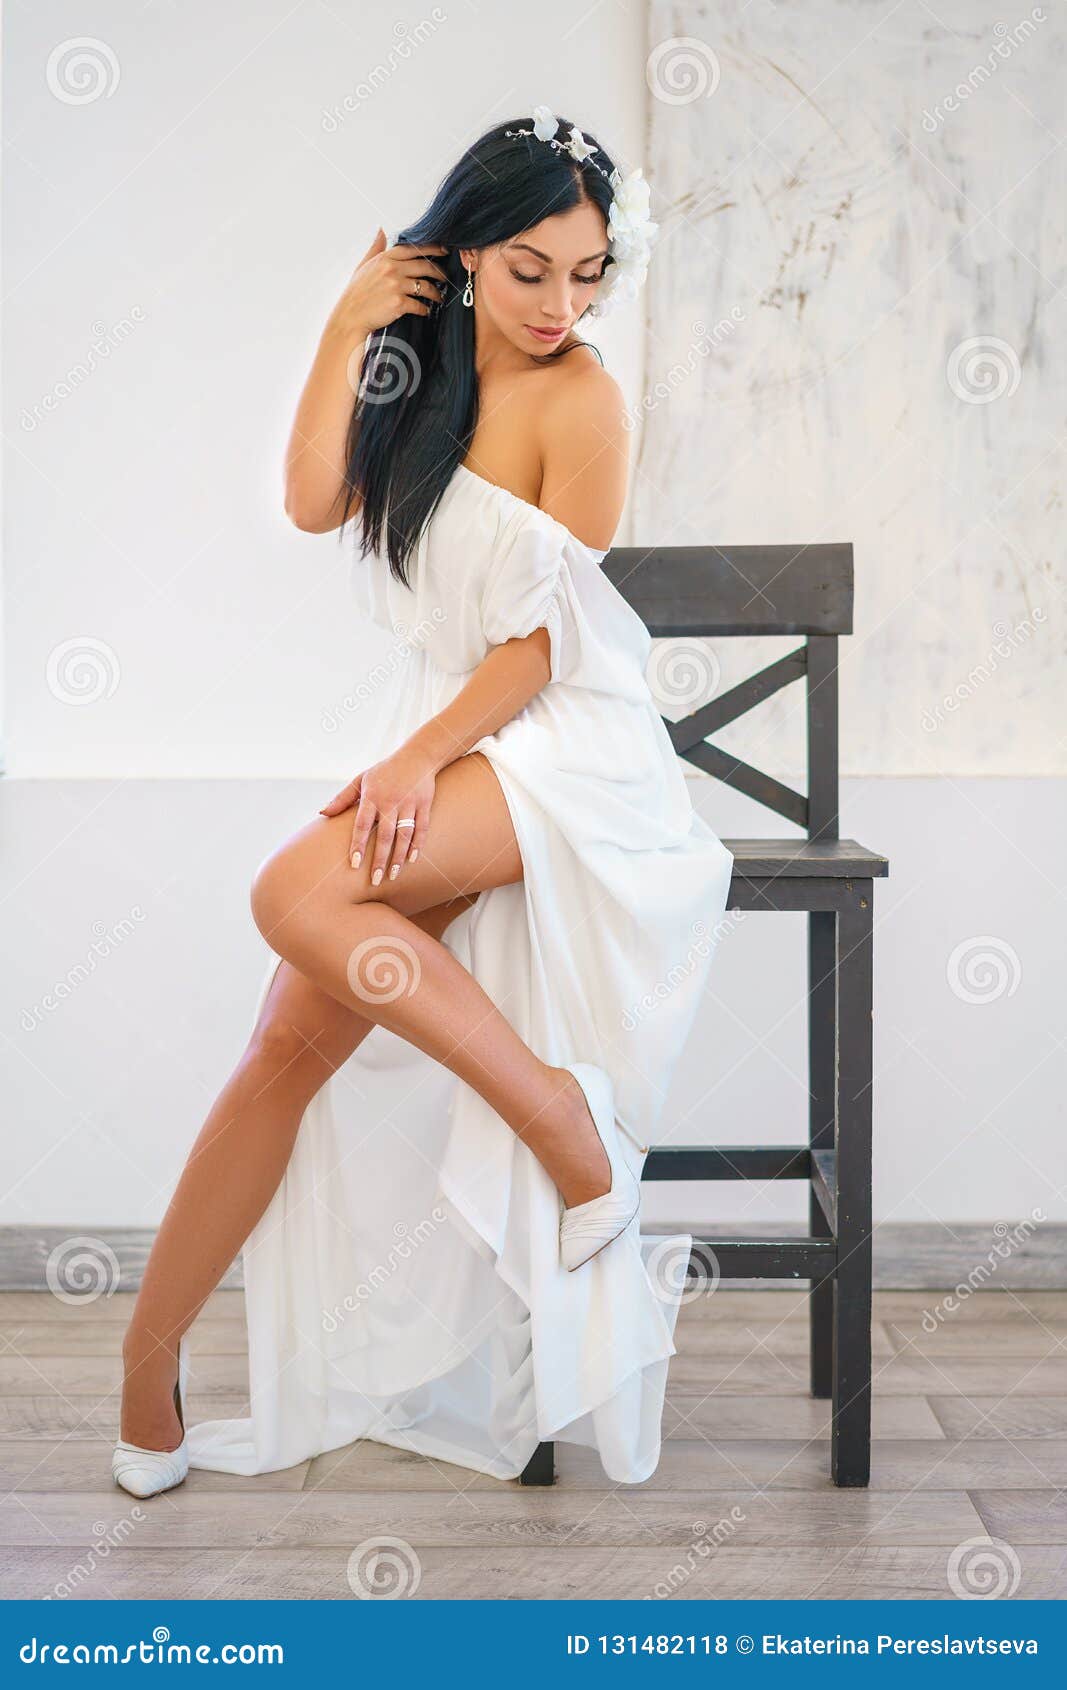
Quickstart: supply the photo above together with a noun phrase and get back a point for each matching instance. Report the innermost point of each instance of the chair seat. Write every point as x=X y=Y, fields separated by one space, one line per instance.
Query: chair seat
x=805 y=859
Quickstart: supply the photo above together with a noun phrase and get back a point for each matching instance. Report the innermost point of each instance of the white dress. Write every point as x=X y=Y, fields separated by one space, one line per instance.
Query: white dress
x=404 y=1283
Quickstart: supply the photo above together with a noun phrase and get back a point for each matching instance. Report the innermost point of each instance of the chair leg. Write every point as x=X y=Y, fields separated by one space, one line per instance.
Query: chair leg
x=541 y=1467
x=850 y=1438
x=822 y=1063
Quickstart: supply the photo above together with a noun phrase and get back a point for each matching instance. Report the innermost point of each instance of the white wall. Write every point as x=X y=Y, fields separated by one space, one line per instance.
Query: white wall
x=182 y=240
x=197 y=222
x=134 y=968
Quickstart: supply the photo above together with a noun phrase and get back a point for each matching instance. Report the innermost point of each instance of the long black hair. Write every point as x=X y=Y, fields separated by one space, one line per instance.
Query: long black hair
x=417 y=402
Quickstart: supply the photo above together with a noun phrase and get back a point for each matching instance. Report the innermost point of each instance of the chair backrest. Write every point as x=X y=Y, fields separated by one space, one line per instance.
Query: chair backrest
x=718 y=591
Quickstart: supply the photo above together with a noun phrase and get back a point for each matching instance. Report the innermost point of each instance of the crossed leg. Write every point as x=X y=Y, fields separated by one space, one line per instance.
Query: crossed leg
x=346 y=946
x=361 y=944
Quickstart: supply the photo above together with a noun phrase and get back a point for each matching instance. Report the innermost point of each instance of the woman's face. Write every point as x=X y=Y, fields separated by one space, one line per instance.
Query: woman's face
x=533 y=288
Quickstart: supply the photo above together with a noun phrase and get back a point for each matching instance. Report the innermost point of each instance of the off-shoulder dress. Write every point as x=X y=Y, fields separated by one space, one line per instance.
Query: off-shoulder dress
x=404 y=1283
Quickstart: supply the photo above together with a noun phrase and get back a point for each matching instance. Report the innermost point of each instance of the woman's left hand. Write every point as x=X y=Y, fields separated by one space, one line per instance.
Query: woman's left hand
x=398 y=789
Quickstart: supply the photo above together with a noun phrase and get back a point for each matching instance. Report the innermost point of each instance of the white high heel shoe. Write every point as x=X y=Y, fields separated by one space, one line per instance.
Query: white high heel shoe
x=144 y=1472
x=588 y=1228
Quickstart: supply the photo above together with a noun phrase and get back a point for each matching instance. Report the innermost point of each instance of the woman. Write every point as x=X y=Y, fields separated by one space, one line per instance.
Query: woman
x=513 y=894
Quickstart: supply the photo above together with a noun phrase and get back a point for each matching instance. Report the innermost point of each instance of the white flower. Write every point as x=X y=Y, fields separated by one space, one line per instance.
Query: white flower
x=579 y=147
x=631 y=232
x=544 y=123
x=629 y=208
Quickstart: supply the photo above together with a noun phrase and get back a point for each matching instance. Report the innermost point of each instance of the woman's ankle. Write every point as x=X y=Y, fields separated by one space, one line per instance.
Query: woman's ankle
x=589 y=1170
x=146 y=1351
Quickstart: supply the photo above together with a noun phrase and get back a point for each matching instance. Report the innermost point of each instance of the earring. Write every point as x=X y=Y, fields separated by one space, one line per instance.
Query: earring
x=468 y=291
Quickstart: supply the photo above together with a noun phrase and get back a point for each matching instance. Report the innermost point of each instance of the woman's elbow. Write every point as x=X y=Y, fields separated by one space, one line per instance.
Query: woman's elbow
x=313 y=517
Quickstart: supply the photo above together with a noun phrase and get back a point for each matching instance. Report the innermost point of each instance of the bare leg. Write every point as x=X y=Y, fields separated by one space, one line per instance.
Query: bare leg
x=363 y=945
x=234 y=1168
x=338 y=933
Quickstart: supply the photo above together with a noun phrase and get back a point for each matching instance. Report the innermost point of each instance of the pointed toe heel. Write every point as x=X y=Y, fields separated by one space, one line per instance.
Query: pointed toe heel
x=145 y=1472
x=588 y=1228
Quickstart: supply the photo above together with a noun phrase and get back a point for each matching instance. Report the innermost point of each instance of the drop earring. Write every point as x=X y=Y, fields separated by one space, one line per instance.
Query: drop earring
x=468 y=291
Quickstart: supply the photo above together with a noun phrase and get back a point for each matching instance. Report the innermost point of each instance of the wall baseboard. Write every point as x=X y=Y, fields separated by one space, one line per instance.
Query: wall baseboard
x=908 y=1256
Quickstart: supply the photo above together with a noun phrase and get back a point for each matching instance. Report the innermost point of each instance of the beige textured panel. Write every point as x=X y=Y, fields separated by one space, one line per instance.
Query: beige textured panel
x=822 y=271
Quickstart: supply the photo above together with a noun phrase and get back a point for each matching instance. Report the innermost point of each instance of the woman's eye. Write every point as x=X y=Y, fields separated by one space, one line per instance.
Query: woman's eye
x=583 y=281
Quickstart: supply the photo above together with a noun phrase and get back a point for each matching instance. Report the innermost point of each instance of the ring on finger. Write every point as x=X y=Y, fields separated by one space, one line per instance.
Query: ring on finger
x=405 y=821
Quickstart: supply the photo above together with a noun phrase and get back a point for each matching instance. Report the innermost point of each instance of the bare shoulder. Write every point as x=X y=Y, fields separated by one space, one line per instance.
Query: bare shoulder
x=584 y=450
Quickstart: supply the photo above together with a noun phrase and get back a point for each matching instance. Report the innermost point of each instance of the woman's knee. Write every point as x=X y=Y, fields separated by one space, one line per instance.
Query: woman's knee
x=284 y=887
x=265 y=895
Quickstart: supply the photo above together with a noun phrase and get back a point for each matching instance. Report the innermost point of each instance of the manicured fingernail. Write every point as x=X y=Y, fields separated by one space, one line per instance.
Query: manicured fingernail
x=414 y=853
x=394 y=871
x=357 y=858
x=375 y=877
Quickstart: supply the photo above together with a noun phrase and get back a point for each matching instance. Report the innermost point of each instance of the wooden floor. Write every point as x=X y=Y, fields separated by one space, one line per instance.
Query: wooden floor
x=970 y=1427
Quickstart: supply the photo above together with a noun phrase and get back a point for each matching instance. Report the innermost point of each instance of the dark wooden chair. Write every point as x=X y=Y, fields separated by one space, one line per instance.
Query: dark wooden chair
x=719 y=591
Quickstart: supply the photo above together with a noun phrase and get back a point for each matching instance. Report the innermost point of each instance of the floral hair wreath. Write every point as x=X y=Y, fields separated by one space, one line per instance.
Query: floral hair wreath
x=630 y=229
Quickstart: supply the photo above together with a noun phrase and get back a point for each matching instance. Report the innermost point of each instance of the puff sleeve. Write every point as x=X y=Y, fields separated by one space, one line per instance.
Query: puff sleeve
x=529 y=585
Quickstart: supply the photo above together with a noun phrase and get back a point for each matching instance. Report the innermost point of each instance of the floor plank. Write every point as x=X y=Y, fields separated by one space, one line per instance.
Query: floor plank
x=1026 y=1336
x=721 y=1417
x=783 y=1464
x=1019 y=1516
x=969 y=1418
x=82 y=1465
x=321 y=1574
x=510 y=1517
x=905 y=1373
x=77 y=1417
x=84 y=1335
x=1020 y=1417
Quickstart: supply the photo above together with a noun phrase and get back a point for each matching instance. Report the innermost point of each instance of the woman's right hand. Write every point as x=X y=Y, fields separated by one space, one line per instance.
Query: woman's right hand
x=383 y=288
